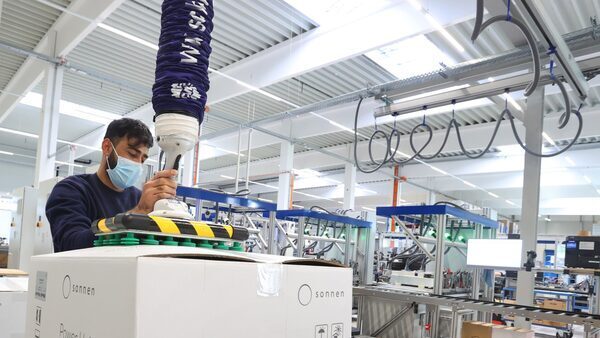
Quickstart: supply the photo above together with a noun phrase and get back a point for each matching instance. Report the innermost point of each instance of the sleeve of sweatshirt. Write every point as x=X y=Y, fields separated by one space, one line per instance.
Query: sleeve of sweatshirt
x=67 y=213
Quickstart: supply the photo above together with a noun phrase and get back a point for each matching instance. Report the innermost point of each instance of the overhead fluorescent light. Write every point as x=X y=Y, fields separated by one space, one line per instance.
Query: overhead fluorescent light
x=511 y=150
x=155 y=47
x=410 y=57
x=264 y=185
x=492 y=194
x=70 y=164
x=227 y=177
x=548 y=139
x=368 y=209
x=72 y=109
x=6 y=153
x=547 y=219
x=253 y=88
x=22 y=133
x=512 y=101
x=75 y=144
x=32 y=99
x=509 y=202
x=265 y=200
x=587 y=179
x=16 y=132
x=128 y=36
x=205 y=143
x=469 y=184
x=365 y=190
x=417 y=5
x=437 y=110
x=431 y=93
x=437 y=169
x=306 y=172
x=312 y=196
x=333 y=123
x=570 y=161
x=444 y=33
x=297 y=206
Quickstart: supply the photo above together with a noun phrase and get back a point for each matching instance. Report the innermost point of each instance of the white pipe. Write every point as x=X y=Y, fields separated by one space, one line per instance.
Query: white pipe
x=248 y=159
x=239 y=155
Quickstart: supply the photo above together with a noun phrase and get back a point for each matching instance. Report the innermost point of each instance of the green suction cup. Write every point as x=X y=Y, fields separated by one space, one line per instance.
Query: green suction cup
x=204 y=244
x=237 y=246
x=114 y=239
x=129 y=239
x=98 y=241
x=221 y=245
x=150 y=240
x=169 y=241
x=187 y=242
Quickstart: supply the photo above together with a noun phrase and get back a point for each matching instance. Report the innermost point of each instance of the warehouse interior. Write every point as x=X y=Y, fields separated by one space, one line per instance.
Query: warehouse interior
x=345 y=142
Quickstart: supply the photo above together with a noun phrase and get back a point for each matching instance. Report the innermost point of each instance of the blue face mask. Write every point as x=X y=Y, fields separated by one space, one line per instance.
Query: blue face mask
x=126 y=173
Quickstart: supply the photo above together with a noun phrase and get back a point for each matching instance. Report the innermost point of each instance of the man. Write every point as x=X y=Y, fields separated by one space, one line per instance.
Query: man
x=78 y=200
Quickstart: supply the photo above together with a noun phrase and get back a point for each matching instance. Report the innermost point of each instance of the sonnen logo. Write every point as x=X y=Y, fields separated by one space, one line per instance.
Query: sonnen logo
x=69 y=288
x=306 y=294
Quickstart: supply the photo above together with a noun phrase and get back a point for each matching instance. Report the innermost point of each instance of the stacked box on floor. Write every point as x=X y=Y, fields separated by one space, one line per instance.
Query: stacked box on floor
x=164 y=291
x=487 y=330
x=553 y=304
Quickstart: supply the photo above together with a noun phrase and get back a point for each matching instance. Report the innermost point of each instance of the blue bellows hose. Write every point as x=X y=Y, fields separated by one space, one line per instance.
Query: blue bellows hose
x=181 y=78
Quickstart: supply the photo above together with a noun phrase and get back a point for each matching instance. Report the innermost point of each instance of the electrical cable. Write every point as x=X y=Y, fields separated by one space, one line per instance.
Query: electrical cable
x=239 y=193
x=393 y=138
x=449 y=203
x=528 y=37
x=316 y=207
x=389 y=156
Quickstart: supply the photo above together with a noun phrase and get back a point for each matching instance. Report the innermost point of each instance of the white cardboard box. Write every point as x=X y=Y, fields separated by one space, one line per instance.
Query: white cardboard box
x=13 y=305
x=161 y=291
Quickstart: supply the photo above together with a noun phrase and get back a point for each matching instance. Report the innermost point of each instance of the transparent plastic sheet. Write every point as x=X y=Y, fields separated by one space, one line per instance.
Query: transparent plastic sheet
x=269 y=278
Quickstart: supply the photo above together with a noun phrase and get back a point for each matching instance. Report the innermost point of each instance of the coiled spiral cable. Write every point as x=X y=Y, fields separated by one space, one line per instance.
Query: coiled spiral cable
x=391 y=140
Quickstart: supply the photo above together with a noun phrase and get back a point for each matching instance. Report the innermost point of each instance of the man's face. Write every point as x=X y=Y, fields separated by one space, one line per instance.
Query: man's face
x=129 y=148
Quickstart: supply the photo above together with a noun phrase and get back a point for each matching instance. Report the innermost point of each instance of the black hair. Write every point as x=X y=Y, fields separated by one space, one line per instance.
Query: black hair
x=130 y=128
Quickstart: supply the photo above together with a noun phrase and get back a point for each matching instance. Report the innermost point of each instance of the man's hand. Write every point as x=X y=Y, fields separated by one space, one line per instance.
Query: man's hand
x=162 y=185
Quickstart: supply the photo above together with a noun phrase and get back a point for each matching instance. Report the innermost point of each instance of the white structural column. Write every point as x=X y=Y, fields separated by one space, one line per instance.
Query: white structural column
x=430 y=194
x=531 y=196
x=71 y=161
x=400 y=185
x=286 y=167
x=71 y=30
x=349 y=185
x=45 y=163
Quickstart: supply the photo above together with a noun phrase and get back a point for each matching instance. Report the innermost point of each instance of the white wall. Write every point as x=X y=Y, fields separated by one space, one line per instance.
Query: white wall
x=13 y=175
x=5 y=220
x=565 y=227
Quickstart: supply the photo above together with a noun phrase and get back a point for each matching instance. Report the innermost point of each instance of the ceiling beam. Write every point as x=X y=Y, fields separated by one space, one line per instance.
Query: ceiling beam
x=144 y=113
x=297 y=56
x=69 y=31
x=473 y=137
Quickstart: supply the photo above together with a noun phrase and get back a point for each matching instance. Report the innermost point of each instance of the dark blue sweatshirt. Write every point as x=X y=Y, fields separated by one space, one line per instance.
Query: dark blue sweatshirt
x=76 y=202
